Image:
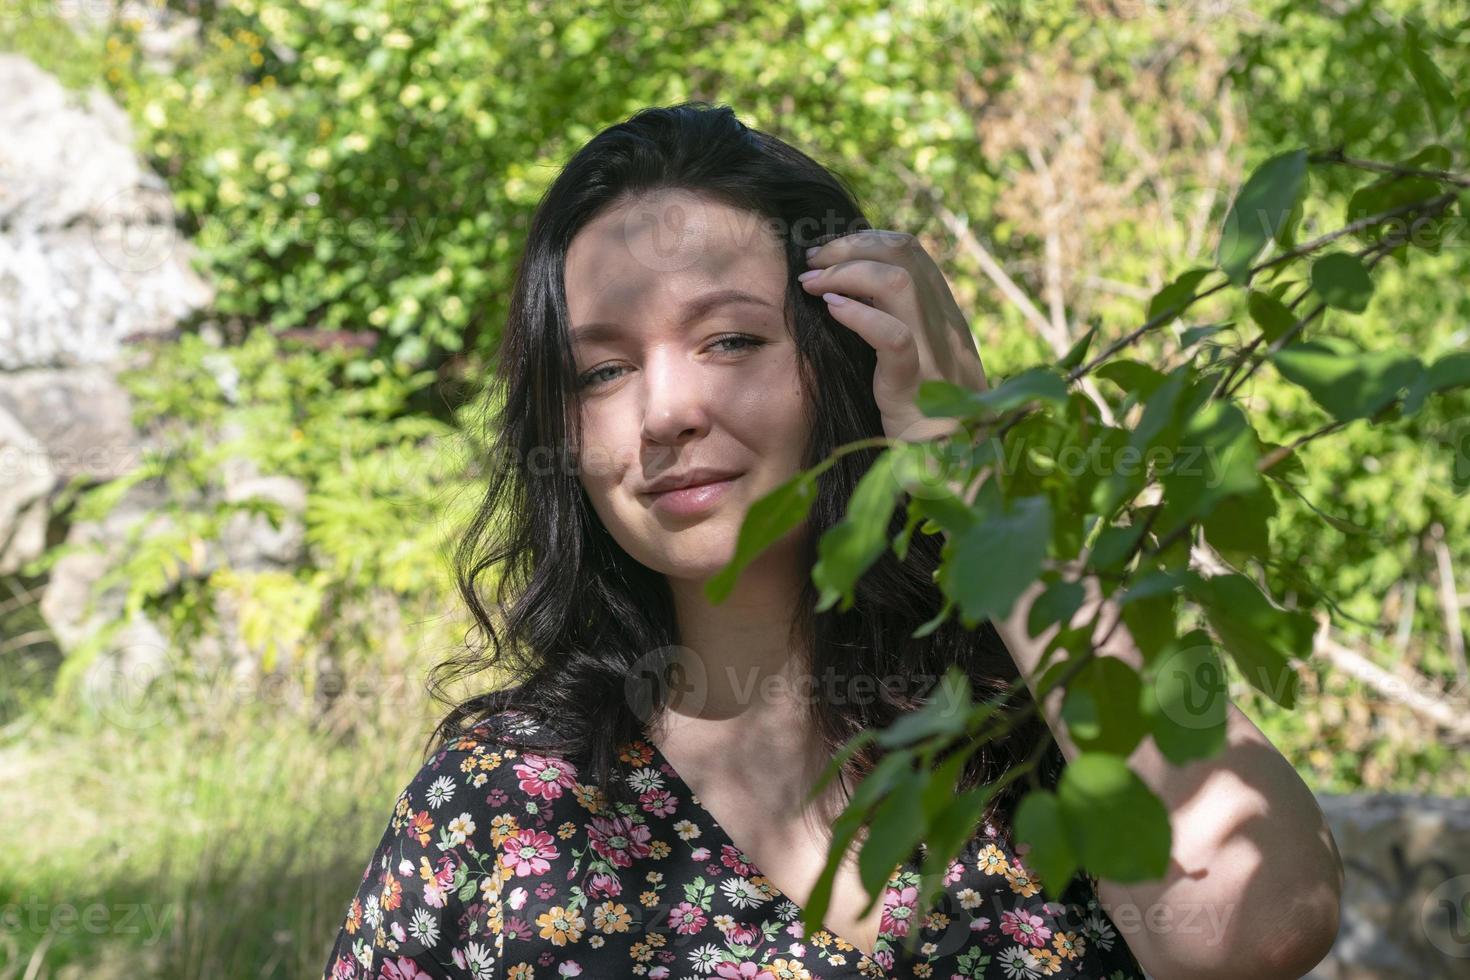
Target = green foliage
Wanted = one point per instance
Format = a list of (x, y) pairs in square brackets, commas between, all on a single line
[(385, 491), (1197, 446), (371, 165)]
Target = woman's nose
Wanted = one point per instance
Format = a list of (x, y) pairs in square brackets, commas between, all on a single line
[(674, 409)]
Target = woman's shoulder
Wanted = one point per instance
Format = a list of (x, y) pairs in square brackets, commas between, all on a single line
[(483, 808), (502, 761)]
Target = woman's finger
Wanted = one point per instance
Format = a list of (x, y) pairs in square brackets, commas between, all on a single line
[(898, 355)]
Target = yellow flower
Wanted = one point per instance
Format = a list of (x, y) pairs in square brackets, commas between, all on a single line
[(649, 899), (561, 926), (1069, 945), (521, 971), (611, 917), (1047, 962), (501, 827), (1021, 881), (787, 970), (992, 861)]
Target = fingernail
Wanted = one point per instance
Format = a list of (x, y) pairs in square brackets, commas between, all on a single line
[(809, 275), (813, 250), (834, 298)]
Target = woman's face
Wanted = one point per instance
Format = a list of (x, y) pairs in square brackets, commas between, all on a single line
[(687, 376)]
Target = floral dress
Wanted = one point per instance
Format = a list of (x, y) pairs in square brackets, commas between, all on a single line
[(501, 865)]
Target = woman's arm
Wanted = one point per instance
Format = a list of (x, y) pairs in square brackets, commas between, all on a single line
[(1254, 883)]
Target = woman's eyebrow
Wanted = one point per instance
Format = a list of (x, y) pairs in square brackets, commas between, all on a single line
[(694, 310)]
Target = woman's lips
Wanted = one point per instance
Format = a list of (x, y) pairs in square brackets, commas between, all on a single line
[(690, 501)]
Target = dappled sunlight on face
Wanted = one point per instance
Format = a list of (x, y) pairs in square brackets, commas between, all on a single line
[(685, 369)]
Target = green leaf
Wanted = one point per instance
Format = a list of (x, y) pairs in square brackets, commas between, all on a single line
[(1058, 603), (941, 398), (849, 549), (1186, 699), (1193, 335), (1132, 376), (1450, 371), (1039, 822), (1102, 707), (769, 519), (896, 829), (891, 770), (1238, 526), (1389, 193), (1176, 296), (943, 714), (1259, 637), (1270, 314), (1438, 95), (1102, 802), (1078, 351), (948, 831), (1347, 382), (1036, 383), (1216, 457), (1342, 281), (986, 567), (1113, 545), (1260, 211)]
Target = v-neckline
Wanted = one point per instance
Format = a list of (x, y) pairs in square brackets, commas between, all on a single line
[(694, 800)]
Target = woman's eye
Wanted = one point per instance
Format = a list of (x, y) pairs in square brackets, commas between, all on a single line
[(737, 341), (597, 376), (740, 341)]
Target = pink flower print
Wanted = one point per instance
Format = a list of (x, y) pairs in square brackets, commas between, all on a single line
[(436, 889), (604, 885), (898, 910), (544, 777), (659, 802), (571, 968), (497, 796), (743, 934), (659, 973), (529, 851), (619, 839), (731, 857), (953, 874), (699, 854), (545, 890), (884, 958), (516, 928), (737, 971), (687, 918), (1024, 928), (402, 968), (344, 969)]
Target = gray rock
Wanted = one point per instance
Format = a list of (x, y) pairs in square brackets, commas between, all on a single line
[(90, 251), (27, 479), (81, 416)]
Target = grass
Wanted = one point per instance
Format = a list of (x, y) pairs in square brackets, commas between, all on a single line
[(224, 847)]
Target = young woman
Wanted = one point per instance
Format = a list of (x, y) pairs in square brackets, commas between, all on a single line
[(634, 801)]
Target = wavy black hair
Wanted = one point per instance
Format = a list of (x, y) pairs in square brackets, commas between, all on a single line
[(575, 618)]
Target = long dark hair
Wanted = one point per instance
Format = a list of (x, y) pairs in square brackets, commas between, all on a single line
[(575, 617)]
